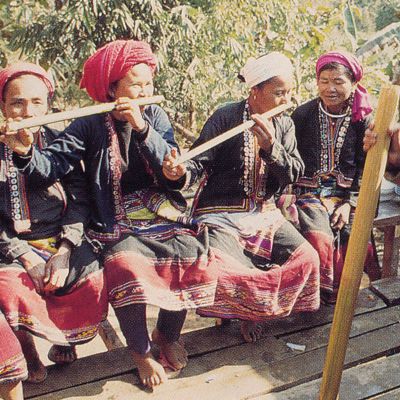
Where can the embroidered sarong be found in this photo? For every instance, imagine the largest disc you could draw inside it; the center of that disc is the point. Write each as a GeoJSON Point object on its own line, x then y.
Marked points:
{"type": "Point", "coordinates": [164, 259]}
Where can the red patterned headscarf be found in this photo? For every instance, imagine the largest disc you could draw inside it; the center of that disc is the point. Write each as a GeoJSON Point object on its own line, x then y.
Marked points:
{"type": "Point", "coordinates": [24, 68]}
{"type": "Point", "coordinates": [111, 63]}
{"type": "Point", "coordinates": [361, 104]}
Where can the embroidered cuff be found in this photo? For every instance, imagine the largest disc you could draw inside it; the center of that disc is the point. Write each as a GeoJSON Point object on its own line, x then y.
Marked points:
{"type": "Point", "coordinates": [72, 233]}
{"type": "Point", "coordinates": [141, 136]}
{"type": "Point", "coordinates": [13, 252]}
{"type": "Point", "coordinates": [188, 181]}
{"type": "Point", "coordinates": [274, 155]}
{"type": "Point", "coordinates": [21, 161]}
{"type": "Point", "coordinates": [352, 199]}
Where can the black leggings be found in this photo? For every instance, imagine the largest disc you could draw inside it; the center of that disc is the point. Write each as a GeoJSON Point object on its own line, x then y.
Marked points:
{"type": "Point", "coordinates": [132, 321]}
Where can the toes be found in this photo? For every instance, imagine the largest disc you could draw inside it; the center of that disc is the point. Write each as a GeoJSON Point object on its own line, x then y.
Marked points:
{"type": "Point", "coordinates": [62, 354]}
{"type": "Point", "coordinates": [145, 382]}
{"type": "Point", "coordinates": [250, 331]}
{"type": "Point", "coordinates": [152, 381]}
{"type": "Point", "coordinates": [247, 337]}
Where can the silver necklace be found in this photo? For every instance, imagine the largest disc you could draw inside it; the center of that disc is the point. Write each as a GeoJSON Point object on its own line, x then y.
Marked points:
{"type": "Point", "coordinates": [331, 115]}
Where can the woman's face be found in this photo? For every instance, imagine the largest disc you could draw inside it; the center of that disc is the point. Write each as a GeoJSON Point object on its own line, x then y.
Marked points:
{"type": "Point", "coordinates": [24, 97]}
{"type": "Point", "coordinates": [334, 89]}
{"type": "Point", "coordinates": [272, 94]}
{"type": "Point", "coordinates": [138, 82]}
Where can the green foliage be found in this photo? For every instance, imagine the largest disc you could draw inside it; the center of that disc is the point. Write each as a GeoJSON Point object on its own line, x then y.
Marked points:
{"type": "Point", "coordinates": [201, 44]}
{"type": "Point", "coordinates": [350, 24]}
{"type": "Point", "coordinates": [388, 12]}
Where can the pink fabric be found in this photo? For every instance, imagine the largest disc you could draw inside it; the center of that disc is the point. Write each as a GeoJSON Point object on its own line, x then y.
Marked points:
{"type": "Point", "coordinates": [73, 317]}
{"type": "Point", "coordinates": [24, 68]}
{"type": "Point", "coordinates": [112, 62]}
{"type": "Point", "coordinates": [361, 103]}
{"type": "Point", "coordinates": [257, 295]}
{"type": "Point", "coordinates": [13, 366]}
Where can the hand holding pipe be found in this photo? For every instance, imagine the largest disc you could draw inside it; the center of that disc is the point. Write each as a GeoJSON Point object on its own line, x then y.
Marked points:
{"type": "Point", "coordinates": [228, 134]}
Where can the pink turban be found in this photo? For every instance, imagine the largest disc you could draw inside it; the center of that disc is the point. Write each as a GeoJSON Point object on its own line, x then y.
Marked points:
{"type": "Point", "coordinates": [361, 104]}
{"type": "Point", "coordinates": [24, 68]}
{"type": "Point", "coordinates": [111, 63]}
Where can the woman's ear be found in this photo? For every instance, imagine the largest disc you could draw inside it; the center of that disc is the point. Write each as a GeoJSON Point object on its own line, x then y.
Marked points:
{"type": "Point", "coordinates": [3, 108]}
{"type": "Point", "coordinates": [111, 90]}
{"type": "Point", "coordinates": [253, 93]}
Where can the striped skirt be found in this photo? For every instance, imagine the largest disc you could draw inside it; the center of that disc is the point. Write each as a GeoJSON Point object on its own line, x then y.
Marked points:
{"type": "Point", "coordinates": [311, 213]}
{"type": "Point", "coordinates": [266, 269]}
{"type": "Point", "coordinates": [71, 315]}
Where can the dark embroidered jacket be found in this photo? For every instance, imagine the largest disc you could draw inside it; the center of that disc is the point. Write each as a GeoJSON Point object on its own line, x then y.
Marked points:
{"type": "Point", "coordinates": [59, 209]}
{"type": "Point", "coordinates": [88, 139]}
{"type": "Point", "coordinates": [223, 186]}
{"type": "Point", "coordinates": [351, 159]}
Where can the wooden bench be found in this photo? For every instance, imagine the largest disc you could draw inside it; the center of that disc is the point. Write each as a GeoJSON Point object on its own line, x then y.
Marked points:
{"type": "Point", "coordinates": [388, 221]}
{"type": "Point", "coordinates": [222, 366]}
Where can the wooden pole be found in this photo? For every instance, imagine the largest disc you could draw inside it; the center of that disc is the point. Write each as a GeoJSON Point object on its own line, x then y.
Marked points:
{"type": "Point", "coordinates": [79, 112]}
{"type": "Point", "coordinates": [374, 169]}
{"type": "Point", "coordinates": [229, 134]}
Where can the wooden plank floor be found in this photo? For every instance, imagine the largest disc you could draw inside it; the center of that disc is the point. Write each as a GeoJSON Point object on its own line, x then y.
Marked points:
{"type": "Point", "coordinates": [223, 367]}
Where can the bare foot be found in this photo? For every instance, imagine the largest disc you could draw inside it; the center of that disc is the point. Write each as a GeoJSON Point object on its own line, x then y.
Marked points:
{"type": "Point", "coordinates": [151, 373]}
{"type": "Point", "coordinates": [62, 354]}
{"type": "Point", "coordinates": [250, 331]}
{"type": "Point", "coordinates": [37, 372]}
{"type": "Point", "coordinates": [174, 352]}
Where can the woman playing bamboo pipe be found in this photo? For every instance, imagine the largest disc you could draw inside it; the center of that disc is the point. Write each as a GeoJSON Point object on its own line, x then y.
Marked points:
{"type": "Point", "coordinates": [46, 270]}
{"type": "Point", "coordinates": [329, 133]}
{"type": "Point", "coordinates": [267, 269]}
{"type": "Point", "coordinates": [152, 253]}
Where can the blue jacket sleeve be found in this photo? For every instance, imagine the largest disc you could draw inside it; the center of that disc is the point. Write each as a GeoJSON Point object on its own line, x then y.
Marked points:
{"type": "Point", "coordinates": [158, 143]}
{"type": "Point", "coordinates": [57, 160]}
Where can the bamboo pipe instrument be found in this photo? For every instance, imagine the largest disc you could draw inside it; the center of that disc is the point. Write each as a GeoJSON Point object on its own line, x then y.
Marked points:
{"type": "Point", "coordinates": [374, 169]}
{"type": "Point", "coordinates": [79, 112]}
{"type": "Point", "coordinates": [228, 134]}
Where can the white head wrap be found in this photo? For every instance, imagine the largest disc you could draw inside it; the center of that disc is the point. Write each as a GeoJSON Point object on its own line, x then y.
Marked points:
{"type": "Point", "coordinates": [257, 70]}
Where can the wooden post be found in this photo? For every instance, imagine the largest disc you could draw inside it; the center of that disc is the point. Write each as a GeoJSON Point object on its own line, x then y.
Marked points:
{"type": "Point", "coordinates": [357, 248]}
{"type": "Point", "coordinates": [110, 336]}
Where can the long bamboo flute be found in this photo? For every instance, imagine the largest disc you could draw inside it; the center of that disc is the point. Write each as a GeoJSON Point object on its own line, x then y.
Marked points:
{"type": "Point", "coordinates": [374, 169]}
{"type": "Point", "coordinates": [79, 112]}
{"type": "Point", "coordinates": [228, 134]}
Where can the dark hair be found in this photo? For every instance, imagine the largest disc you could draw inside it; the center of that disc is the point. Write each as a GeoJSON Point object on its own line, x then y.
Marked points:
{"type": "Point", "coordinates": [241, 78]}
{"type": "Point", "coordinates": [340, 68]}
